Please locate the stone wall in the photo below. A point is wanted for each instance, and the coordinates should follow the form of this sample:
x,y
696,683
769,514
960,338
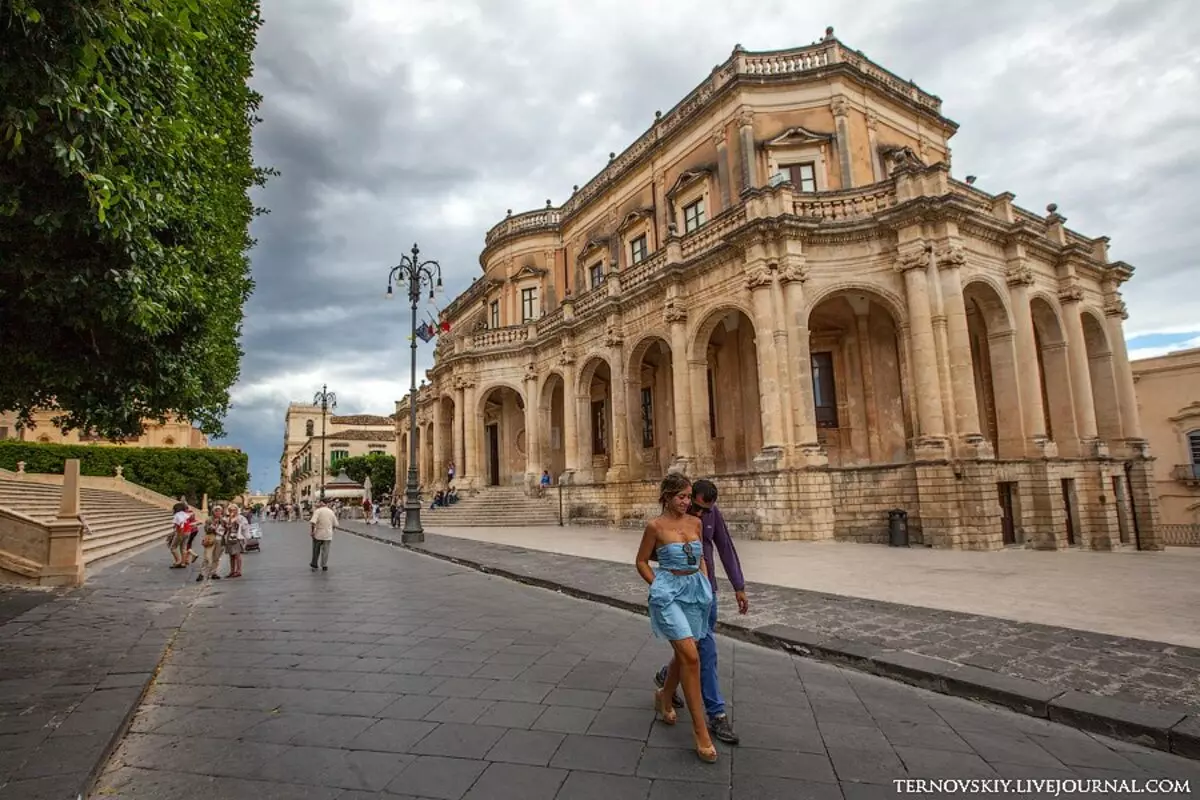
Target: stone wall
x,y
862,498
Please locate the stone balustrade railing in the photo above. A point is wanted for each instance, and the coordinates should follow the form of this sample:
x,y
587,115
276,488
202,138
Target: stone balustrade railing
x,y
593,297
847,205
795,61
709,236
500,337
641,273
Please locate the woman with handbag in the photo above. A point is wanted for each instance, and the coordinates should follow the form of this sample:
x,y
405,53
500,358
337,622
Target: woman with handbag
x,y
214,537
237,531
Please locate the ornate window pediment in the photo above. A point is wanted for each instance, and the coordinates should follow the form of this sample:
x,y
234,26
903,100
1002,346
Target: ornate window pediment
x,y
799,137
634,217
528,271
689,179
594,245
897,156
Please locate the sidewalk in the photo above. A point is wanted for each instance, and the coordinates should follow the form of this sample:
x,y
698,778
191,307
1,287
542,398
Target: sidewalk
x,y
73,666
1136,689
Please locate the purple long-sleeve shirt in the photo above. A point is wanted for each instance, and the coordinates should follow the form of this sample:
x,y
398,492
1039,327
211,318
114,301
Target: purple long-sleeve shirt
x,y
714,532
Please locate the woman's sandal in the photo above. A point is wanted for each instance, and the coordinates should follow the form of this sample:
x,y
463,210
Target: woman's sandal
x,y
662,705
708,756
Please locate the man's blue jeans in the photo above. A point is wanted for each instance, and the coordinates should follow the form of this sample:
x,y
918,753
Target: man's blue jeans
x,y
710,684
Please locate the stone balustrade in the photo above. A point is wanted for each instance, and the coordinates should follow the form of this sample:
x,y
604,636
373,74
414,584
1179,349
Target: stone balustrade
x,y
846,205
500,337
526,222
708,236
640,273
593,297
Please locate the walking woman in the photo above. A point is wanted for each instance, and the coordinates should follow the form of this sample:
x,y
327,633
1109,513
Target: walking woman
x,y
237,531
679,601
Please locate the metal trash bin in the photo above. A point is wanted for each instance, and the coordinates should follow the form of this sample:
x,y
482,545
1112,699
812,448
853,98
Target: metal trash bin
x,y
897,528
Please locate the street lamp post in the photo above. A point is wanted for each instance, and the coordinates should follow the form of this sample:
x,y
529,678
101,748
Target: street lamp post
x,y
326,400
416,272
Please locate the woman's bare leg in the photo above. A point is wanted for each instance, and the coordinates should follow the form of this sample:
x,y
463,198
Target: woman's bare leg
x,y
685,672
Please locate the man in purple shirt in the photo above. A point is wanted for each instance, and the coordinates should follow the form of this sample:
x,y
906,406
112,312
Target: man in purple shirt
x,y
714,534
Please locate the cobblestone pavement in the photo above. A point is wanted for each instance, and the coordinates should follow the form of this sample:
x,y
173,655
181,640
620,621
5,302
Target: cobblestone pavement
x,y
72,667
396,674
1131,670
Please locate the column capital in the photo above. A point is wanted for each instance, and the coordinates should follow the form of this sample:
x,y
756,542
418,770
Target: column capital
x,y
674,313
951,256
1114,306
745,117
1018,273
872,120
1070,294
911,258
613,337
565,358
531,372
718,136
758,278
841,106
795,270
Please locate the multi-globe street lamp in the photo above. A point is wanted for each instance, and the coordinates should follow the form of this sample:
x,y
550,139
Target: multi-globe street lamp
x,y
326,400
417,272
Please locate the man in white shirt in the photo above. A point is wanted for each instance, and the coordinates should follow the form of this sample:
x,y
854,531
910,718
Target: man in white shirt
x,y
322,523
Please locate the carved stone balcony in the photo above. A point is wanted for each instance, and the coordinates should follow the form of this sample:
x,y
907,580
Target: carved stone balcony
x,y
1187,474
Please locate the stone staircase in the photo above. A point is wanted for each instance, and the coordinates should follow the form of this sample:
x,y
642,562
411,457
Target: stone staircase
x,y
495,506
116,522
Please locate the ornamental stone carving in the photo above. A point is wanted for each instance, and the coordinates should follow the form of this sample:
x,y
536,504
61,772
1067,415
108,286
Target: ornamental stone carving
x,y
531,371
951,256
745,117
911,259
758,278
674,313
841,107
565,358
718,137
1115,307
872,120
1019,274
796,271
1070,294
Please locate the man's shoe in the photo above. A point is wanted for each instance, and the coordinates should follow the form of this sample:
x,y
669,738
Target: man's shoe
x,y
720,728
314,566
660,680
324,569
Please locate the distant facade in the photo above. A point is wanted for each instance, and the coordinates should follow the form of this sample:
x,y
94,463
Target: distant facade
x,y
174,433
780,284
346,436
1168,391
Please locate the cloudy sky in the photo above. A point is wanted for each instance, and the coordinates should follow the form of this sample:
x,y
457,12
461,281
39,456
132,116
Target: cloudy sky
x,y
402,121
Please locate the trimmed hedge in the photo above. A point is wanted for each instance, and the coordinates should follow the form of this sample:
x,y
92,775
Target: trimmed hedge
x,y
171,471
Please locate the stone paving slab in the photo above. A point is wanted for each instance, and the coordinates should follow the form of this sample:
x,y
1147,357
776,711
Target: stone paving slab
x,y
1140,689
397,675
73,667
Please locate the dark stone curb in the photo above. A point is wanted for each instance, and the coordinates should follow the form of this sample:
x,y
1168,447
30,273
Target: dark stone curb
x,y
1170,731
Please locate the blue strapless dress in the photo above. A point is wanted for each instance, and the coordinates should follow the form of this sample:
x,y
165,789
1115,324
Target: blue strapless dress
x,y
679,604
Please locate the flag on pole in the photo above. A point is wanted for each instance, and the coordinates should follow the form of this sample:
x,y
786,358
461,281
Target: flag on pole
x,y
424,332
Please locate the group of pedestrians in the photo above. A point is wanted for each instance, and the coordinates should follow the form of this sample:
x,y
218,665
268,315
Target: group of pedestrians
x,y
226,532
682,604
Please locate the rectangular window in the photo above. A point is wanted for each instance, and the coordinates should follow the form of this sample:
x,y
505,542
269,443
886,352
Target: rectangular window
x,y
599,429
637,250
596,272
824,390
647,417
337,455
693,216
3,432
802,176
494,310
528,304
712,407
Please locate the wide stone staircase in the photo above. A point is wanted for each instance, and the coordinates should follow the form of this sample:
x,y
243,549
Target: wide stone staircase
x,y
115,521
494,506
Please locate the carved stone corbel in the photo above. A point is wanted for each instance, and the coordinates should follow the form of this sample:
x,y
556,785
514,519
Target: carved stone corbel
x,y
758,278
1018,274
911,259
951,256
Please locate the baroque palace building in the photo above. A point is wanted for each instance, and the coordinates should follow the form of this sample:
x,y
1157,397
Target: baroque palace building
x,y
172,433
345,436
780,285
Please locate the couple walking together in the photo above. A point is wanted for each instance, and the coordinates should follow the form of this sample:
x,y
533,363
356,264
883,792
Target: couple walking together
x,y
682,604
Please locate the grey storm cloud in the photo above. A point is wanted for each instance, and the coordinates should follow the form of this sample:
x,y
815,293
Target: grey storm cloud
x,y
401,121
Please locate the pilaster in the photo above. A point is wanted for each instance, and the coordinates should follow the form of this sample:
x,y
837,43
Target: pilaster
x,y
675,317
1069,297
724,188
1029,382
745,120
930,441
618,470
970,442
841,113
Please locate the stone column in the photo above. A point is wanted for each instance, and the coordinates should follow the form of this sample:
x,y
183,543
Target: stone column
x,y
745,119
533,444
962,374
724,194
866,363
618,465
760,281
804,417
1029,380
877,171
470,472
1081,377
841,113
570,419
931,433
1115,316
676,319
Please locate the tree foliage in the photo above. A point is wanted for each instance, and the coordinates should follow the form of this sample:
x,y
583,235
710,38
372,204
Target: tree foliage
x,y
381,468
125,174
173,471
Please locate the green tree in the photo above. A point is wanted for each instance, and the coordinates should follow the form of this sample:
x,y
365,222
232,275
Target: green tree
x,y
381,468
125,179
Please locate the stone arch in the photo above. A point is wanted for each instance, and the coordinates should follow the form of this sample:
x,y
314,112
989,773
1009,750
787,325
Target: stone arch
x,y
894,303
594,427
1103,375
500,415
728,422
994,366
856,352
1054,373
552,407
709,319
168,442
649,380
450,436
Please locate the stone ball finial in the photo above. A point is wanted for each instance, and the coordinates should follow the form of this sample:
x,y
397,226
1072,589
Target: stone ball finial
x,y
575,188
509,214
1052,208
20,467
829,32
737,48
120,471
611,156
970,180
657,115
548,202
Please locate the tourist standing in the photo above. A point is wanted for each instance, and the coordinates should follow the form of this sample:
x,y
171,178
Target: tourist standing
x,y
715,535
237,532
177,540
679,602
449,474
213,543
322,524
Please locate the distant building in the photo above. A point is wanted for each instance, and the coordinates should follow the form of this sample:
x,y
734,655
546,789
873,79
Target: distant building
x,y
346,436
1168,392
174,433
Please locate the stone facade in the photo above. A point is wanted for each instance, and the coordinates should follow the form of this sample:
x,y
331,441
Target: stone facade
x,y
780,284
173,433
347,436
1168,393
